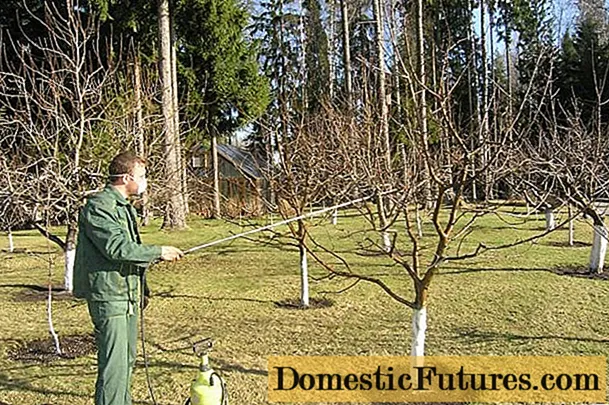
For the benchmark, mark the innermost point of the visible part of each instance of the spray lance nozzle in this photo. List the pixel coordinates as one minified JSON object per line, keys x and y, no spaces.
{"x":203,"y":347}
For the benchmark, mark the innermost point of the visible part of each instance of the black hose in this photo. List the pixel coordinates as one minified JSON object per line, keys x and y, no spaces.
{"x":224,"y":398}
{"x":143,"y":334}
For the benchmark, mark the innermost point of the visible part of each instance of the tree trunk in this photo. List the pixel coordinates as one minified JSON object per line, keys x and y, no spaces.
{"x":419,"y":222}
{"x":571,"y":221}
{"x":176,"y":117}
{"x":50,"y":319}
{"x":175,"y":216}
{"x":484,"y":132}
{"x":11,"y":245}
{"x":382,"y":92}
{"x":599,"y":248}
{"x":550,"y":221}
{"x":472,"y":91}
{"x":216,"y":169}
{"x":331,"y":47}
{"x":303,"y":58}
{"x":139,"y":128}
{"x":383,"y":224}
{"x":304,"y":267}
{"x":335,"y":217}
{"x":69,"y":255}
{"x":423,"y":101}
{"x":347,"y":53}
{"x":419,"y":329}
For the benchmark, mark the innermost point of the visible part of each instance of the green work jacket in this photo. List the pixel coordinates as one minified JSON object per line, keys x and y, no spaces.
{"x":110,"y":257}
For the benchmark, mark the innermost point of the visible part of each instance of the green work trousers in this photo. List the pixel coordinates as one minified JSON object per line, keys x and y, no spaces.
{"x":115,"y":326}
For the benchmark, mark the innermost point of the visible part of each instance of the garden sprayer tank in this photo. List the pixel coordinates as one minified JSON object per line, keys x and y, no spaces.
{"x":208,"y":388}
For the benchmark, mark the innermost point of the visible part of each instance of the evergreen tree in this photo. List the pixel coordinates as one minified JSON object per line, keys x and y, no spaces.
{"x":316,"y":57}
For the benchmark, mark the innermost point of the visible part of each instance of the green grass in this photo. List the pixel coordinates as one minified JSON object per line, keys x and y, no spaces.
{"x":509,"y":302}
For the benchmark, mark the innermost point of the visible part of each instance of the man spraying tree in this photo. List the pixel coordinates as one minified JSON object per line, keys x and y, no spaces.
{"x":108,"y":272}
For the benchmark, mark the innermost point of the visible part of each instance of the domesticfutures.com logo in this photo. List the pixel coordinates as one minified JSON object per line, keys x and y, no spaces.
{"x":437,"y":379}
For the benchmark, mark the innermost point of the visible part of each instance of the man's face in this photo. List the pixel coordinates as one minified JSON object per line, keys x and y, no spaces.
{"x":138,"y":176}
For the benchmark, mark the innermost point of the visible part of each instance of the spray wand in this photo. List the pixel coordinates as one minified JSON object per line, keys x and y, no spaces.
{"x":217,"y":242}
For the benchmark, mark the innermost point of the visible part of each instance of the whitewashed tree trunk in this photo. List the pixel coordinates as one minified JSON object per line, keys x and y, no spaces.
{"x":550,"y":222}
{"x":50,"y":319}
{"x":69,"y":255}
{"x":571,"y":230}
{"x":386,"y":241}
{"x":304,"y":277}
{"x":380,"y":204}
{"x":419,"y":330}
{"x":11,"y":244}
{"x":599,"y":248}
{"x":335,"y":217}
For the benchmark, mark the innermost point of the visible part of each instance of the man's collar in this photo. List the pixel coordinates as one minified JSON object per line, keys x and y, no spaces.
{"x":120,"y":199}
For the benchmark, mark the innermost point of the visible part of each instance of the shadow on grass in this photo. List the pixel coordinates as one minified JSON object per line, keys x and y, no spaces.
{"x":216,"y":363}
{"x":474,"y":335}
{"x":172,"y":295}
{"x":34,"y":287}
{"x":26,"y":251}
{"x":10,"y":383}
{"x":36,"y":293}
{"x":569,"y":270}
{"x":314,"y":303}
{"x":564,"y":244}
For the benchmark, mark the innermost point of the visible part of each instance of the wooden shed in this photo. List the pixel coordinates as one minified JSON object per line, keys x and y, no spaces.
{"x":243,"y":186}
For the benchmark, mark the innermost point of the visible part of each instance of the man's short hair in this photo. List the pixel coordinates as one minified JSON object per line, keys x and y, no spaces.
{"x":124,"y":163}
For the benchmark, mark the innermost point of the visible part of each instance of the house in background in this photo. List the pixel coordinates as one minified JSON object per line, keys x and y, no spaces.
{"x":243,"y":187}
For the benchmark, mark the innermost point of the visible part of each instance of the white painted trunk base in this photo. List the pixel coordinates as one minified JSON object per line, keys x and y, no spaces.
{"x":419,"y":329}
{"x":599,"y":248}
{"x":334,"y":217}
{"x":550,"y":222}
{"x":50,"y":320}
{"x":11,"y":244}
{"x":69,"y":255}
{"x":386,"y":242}
{"x":304,"y":277}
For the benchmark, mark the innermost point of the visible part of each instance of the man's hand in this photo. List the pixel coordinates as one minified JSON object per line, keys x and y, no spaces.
{"x":170,"y":253}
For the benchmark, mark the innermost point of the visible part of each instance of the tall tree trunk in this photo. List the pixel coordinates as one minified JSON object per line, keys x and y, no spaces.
{"x":216,"y":170}
{"x":175,"y":217}
{"x":474,"y":110}
{"x":347,"y":53}
{"x":139,"y":126}
{"x":484,"y":131}
{"x":303,"y":60}
{"x":382,"y":91}
{"x":384,"y":115}
{"x":176,"y":116}
{"x":332,"y":47}
{"x":423,"y":100}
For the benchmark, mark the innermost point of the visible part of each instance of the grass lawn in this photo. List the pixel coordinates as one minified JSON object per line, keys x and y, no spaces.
{"x":511,"y":302}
